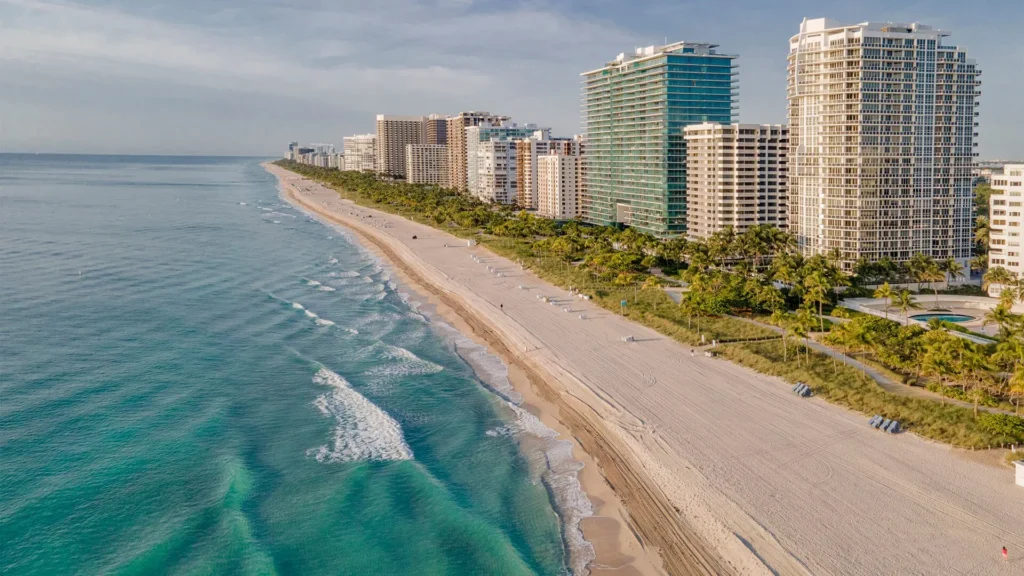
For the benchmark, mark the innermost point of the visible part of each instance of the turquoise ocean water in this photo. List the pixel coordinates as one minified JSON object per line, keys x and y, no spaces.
{"x":196,"y":378}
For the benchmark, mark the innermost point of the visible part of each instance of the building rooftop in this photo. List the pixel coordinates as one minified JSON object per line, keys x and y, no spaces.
{"x":681,"y":47}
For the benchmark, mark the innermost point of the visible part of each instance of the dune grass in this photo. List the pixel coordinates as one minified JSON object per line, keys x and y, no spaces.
{"x":844,"y":385}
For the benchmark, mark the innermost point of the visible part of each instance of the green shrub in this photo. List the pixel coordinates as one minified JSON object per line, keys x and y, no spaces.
{"x":1004,"y":425}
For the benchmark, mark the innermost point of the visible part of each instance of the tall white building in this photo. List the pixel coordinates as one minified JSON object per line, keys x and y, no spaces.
{"x":426,"y":164}
{"x":491,"y":159}
{"x":882,"y":135}
{"x":361,"y":153}
{"x":558,"y":185}
{"x":1006,"y":225}
{"x":394,"y":133}
{"x":736,"y":175}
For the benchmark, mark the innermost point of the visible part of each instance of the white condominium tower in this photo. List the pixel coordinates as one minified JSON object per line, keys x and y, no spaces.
{"x":558,"y":185}
{"x":1006,"y":225}
{"x":735,"y":176}
{"x":882,"y":136}
{"x":361,"y":153}
{"x":426,"y":164}
{"x":394,"y":133}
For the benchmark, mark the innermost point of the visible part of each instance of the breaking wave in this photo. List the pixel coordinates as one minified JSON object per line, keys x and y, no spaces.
{"x":362,"y":432}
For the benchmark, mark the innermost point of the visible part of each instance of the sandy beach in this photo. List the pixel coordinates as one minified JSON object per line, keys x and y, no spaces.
{"x":704,"y":467}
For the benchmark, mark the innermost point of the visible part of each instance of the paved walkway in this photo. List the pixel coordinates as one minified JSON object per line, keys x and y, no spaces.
{"x":884,"y":381}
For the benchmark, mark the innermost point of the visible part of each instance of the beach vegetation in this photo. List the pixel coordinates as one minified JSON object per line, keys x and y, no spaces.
{"x":754,"y":293}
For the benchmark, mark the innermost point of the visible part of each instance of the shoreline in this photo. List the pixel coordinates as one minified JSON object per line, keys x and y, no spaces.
{"x":720,"y":469}
{"x":617,"y":546}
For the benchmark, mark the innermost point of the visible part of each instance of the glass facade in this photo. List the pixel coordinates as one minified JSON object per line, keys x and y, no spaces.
{"x":635,"y":109}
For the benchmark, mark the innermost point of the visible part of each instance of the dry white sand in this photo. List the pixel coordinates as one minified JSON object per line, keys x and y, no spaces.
{"x":759,"y":479}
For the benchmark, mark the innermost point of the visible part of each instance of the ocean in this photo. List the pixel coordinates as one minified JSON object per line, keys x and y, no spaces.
{"x":197,"y":378}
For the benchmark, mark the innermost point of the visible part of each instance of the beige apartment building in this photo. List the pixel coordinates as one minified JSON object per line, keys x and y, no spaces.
{"x":426,"y":164}
{"x":528,"y":150}
{"x":558,"y":185}
{"x":736,"y":175}
{"x":394,"y":133}
{"x":1006,"y":225}
{"x":361,"y":152}
{"x":455,"y":130}
{"x":882,"y":129}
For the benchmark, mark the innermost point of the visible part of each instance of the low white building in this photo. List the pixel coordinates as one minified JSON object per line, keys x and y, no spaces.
{"x":1006,"y":223}
{"x":557,"y":185}
{"x":361,"y":153}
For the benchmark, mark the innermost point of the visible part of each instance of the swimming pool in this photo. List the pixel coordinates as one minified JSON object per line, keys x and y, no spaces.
{"x":943,"y":317}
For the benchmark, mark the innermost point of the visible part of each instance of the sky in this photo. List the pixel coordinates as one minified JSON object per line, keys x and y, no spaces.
{"x":245,"y":77}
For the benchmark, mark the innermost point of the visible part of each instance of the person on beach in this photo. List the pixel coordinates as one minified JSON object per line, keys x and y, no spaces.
{"x":502,"y":307}
{"x":1006,"y":554}
{"x":691,"y":351}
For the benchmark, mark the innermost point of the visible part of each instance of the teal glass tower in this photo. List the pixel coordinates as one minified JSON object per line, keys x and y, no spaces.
{"x":634,"y":112}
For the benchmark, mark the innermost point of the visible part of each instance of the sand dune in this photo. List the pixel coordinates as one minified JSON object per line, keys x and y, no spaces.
{"x":723,"y":469}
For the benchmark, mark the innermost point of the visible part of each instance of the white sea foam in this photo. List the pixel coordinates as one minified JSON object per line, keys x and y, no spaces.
{"x":266,"y":209}
{"x":312,"y":283}
{"x":277,"y":221}
{"x":243,"y":204}
{"x":332,"y":261}
{"x":401,"y":363}
{"x":348,"y":274}
{"x":326,"y":289}
{"x":352,"y":331}
{"x":560,"y":472}
{"x":324,"y":322}
{"x":363,"y":431}
{"x":298,"y":306}
{"x":311,"y":314}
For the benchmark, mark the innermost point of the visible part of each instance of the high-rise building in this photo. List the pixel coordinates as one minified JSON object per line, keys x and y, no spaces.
{"x":437,"y":129}
{"x":557,"y":186}
{"x":455,"y":132}
{"x":1006,"y":223}
{"x":736,"y":175}
{"x":635,"y":108}
{"x":361,"y":153}
{"x":394,"y":133}
{"x":882,"y":135}
{"x":426,"y":164}
{"x":491,"y":159}
{"x":527,"y":152}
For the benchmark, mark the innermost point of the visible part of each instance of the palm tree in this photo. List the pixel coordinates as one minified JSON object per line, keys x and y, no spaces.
{"x":780,"y":319}
{"x":1017,"y":386}
{"x":974,"y":369}
{"x":916,"y":267}
{"x":981,"y":232}
{"x":998,"y":276}
{"x":802,"y":327}
{"x":1001,"y":317}
{"x":979,"y":263}
{"x":885,"y":291}
{"x":933,"y":273}
{"x":904,"y":301}
{"x":953,"y":268}
{"x":817,"y":287}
